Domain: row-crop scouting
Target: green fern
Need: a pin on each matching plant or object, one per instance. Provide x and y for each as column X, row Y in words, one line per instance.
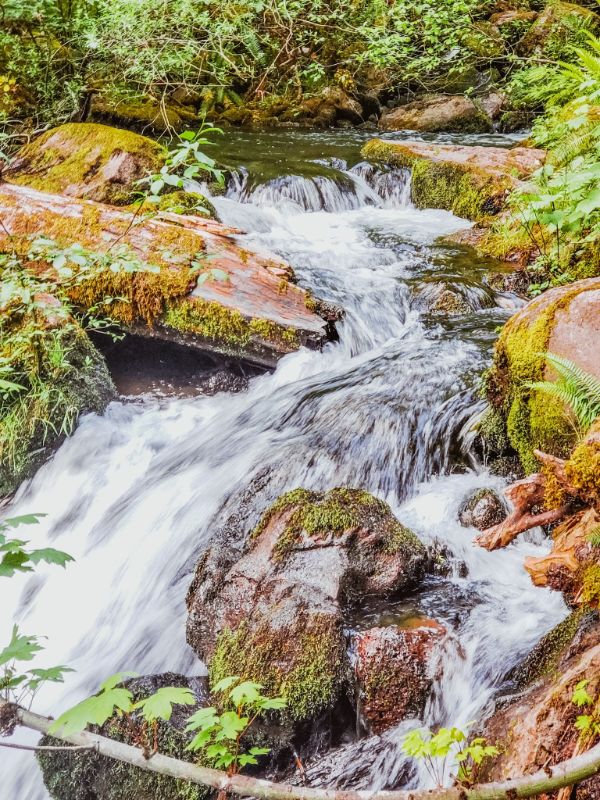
column 593, row 536
column 575, row 388
column 574, row 144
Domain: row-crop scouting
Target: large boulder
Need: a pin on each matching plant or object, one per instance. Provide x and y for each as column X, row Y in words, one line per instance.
column 325, row 109
column 145, row 113
column 87, row 160
column 438, row 113
column 90, row 776
column 277, row 613
column 246, row 305
column 395, row 668
column 564, row 321
column 473, row 182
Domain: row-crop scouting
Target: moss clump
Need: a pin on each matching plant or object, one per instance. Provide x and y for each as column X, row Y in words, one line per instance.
column 63, row 376
column 590, row 586
column 583, row 470
column 305, row 664
column 133, row 296
column 225, row 326
column 319, row 515
column 533, row 419
column 71, row 159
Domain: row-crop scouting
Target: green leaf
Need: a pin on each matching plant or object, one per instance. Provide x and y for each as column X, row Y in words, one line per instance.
column 50, row 556
column 187, row 136
column 232, row 725
column 245, row 693
column 225, row 683
column 92, row 711
column 20, row 647
column 204, row 718
column 160, row 704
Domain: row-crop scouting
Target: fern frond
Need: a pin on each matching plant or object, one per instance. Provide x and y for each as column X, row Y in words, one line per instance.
column 576, row 143
column 590, row 62
column 574, row 387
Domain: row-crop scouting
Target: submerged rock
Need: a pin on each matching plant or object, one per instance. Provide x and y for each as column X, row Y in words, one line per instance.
column 276, row 615
column 395, row 670
column 87, row 160
column 472, row 182
column 438, row 113
column 89, row 776
column 482, row 509
column 564, row 321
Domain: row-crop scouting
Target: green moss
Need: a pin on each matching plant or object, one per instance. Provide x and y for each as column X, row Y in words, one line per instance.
column 339, row 510
column 74, row 153
column 181, row 202
column 583, row 471
column 225, row 326
column 590, row 588
column 64, row 376
column 305, row 667
column 545, row 657
column 533, row 419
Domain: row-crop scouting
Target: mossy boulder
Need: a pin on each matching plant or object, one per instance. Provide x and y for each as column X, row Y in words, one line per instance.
column 564, row 321
column 144, row 113
column 327, row 108
column 472, row 182
column 395, row 668
column 63, row 376
column 89, row 776
column 559, row 26
column 435, row 113
column 87, row 160
column 277, row 614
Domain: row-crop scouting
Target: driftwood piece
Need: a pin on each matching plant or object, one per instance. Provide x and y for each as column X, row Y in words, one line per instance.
column 523, row 496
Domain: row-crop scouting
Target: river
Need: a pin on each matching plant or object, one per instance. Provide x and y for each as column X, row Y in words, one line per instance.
column 135, row 495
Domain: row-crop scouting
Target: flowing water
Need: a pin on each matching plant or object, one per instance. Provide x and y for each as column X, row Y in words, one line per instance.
column 136, row 494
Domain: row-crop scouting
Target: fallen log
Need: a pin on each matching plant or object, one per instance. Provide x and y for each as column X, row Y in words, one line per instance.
column 567, row 773
column 253, row 311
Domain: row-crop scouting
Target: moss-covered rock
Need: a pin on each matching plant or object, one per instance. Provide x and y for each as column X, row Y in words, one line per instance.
column 89, row 776
column 482, row 509
column 144, row 113
column 63, row 376
column 277, row 614
column 87, row 160
column 564, row 321
column 472, row 182
column 182, row 202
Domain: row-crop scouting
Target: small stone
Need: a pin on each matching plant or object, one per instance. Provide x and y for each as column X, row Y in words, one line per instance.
column 482, row 509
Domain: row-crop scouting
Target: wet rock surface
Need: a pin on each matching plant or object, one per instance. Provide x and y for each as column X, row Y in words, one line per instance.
column 395, row 668
column 277, row 614
column 482, row 509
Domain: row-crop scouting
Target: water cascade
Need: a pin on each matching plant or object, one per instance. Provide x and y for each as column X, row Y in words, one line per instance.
column 135, row 494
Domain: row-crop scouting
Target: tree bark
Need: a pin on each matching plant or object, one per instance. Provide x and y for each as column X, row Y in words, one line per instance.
column 550, row 779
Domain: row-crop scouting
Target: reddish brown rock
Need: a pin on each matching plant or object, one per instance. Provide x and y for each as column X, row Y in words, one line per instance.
column 394, row 668
column 255, row 313
column 277, row 613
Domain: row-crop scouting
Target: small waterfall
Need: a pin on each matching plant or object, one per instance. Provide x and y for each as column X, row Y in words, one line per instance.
column 349, row 189
column 135, row 495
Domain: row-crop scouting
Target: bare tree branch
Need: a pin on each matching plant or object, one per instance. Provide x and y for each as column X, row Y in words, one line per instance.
column 566, row 773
